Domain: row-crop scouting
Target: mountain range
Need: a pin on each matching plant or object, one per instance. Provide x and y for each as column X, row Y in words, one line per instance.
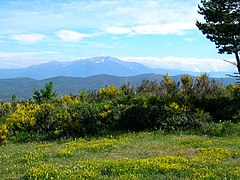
column 86, row 74
column 89, row 67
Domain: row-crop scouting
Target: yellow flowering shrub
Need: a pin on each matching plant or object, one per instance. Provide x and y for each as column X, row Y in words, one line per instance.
column 169, row 84
column 109, row 92
column 67, row 100
column 5, row 109
column 7, row 105
column 3, row 133
column 106, row 112
column 175, row 107
column 63, row 115
column 24, row 116
column 236, row 91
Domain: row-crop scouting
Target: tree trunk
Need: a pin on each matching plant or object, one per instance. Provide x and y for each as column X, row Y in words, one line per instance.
column 238, row 61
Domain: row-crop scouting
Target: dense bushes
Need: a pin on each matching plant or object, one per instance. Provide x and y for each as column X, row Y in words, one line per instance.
column 192, row 105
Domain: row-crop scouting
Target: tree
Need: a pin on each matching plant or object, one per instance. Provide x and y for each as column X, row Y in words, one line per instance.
column 45, row 94
column 14, row 97
column 222, row 25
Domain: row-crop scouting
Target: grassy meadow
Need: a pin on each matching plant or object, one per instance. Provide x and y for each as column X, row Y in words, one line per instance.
column 187, row 130
column 144, row 155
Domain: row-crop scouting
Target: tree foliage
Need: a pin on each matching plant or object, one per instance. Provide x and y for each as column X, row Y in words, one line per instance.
column 46, row 93
column 222, row 25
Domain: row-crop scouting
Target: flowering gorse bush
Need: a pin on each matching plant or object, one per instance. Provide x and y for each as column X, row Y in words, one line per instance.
column 24, row 117
column 192, row 105
column 3, row 133
column 109, row 92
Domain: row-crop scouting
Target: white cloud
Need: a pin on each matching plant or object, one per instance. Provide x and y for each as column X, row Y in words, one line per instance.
column 28, row 38
column 189, row 39
column 25, row 54
column 173, row 28
column 163, row 29
column 26, row 59
column 72, row 36
column 20, row 3
column 143, row 16
column 185, row 64
column 119, row 30
column 128, row 17
column 152, row 17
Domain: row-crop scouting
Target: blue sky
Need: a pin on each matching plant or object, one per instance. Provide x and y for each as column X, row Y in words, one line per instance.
column 157, row 33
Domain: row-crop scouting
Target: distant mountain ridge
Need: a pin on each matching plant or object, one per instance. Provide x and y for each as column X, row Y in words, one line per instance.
column 23, row 87
column 89, row 67
column 89, row 74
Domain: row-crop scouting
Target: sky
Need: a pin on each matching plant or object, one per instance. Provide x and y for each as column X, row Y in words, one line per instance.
column 156, row 33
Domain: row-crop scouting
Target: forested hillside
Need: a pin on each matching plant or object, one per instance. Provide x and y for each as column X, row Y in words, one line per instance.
column 23, row 87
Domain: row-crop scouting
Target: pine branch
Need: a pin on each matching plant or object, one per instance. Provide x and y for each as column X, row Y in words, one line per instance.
column 233, row 63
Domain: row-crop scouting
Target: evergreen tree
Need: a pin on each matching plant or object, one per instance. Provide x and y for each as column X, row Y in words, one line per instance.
column 222, row 25
column 46, row 93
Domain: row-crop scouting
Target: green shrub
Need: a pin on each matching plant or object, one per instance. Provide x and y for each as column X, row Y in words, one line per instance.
column 169, row 106
column 5, row 110
column 224, row 129
column 236, row 117
column 220, row 107
column 135, row 113
column 133, row 116
column 83, row 120
column 178, row 118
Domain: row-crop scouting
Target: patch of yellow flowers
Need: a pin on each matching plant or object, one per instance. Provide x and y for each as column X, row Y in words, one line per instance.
column 95, row 144
column 3, row 132
column 24, row 115
column 170, row 166
column 106, row 112
column 205, row 163
column 109, row 91
column 176, row 107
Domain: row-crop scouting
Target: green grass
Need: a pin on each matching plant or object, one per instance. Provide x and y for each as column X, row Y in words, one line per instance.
column 145, row 155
